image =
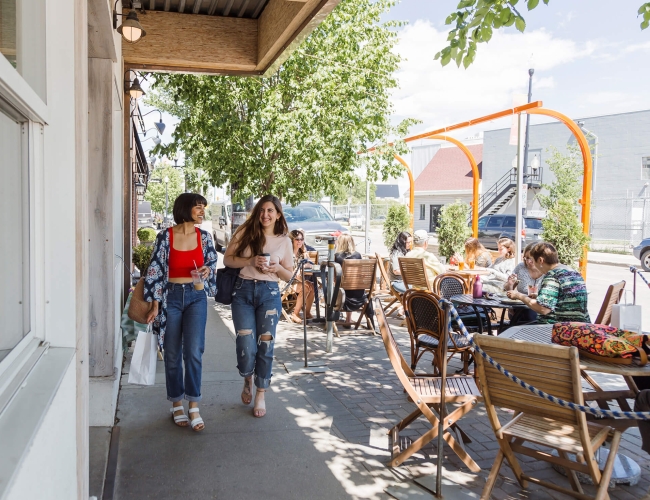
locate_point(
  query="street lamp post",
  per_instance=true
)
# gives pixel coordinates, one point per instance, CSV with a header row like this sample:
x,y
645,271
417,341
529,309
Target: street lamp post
x,y
530,97
166,180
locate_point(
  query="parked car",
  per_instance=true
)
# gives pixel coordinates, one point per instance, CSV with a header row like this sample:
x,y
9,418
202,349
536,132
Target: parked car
x,y
312,218
221,214
357,220
316,222
493,227
642,252
145,217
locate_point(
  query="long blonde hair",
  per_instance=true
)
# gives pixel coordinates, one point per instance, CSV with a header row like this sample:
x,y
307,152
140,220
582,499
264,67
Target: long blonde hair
x,y
345,244
473,248
510,245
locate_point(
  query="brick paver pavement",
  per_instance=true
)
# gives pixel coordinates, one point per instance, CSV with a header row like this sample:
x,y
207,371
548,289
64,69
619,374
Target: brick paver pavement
x,y
363,398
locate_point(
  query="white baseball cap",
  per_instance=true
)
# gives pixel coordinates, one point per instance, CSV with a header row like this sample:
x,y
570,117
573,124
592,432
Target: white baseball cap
x,y
420,236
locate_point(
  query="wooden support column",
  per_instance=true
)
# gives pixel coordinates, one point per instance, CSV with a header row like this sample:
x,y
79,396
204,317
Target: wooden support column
x,y
100,212
127,209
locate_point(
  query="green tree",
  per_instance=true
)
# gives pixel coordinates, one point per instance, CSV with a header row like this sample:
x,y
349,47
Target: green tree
x,y
397,220
299,131
356,191
476,20
453,230
562,226
155,193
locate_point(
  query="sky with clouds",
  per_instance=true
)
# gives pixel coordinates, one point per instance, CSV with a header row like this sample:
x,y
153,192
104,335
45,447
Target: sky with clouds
x,y
590,58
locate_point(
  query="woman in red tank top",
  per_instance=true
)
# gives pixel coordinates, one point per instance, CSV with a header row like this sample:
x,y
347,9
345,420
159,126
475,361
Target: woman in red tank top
x,y
180,251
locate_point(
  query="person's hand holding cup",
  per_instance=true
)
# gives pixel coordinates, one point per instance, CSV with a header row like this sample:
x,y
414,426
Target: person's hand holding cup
x,y
197,279
262,262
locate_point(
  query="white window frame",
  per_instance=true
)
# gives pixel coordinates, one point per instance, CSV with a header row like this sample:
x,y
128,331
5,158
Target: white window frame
x,y
423,211
20,95
645,169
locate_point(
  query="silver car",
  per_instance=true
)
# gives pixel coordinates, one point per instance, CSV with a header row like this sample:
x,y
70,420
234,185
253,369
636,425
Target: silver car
x,y
316,222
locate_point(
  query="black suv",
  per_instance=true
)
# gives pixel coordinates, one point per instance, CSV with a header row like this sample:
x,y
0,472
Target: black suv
x,y
493,227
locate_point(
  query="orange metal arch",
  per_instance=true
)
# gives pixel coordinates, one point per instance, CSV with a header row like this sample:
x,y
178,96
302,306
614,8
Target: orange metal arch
x,y
585,200
411,189
475,176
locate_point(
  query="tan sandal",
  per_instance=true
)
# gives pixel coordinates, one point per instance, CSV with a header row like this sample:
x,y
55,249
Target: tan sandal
x,y
246,394
259,410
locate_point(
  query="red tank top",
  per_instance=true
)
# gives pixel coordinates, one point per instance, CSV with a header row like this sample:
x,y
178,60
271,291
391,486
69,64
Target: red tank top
x,y
182,262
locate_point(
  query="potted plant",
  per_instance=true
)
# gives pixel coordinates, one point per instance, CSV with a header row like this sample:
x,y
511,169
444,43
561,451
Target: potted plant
x,y
146,235
453,230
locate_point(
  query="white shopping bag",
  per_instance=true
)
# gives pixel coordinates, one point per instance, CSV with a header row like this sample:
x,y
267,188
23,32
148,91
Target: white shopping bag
x,y
627,317
143,363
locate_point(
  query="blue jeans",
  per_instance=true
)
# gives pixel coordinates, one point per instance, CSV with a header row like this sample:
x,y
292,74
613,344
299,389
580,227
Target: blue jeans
x,y
255,312
187,311
399,286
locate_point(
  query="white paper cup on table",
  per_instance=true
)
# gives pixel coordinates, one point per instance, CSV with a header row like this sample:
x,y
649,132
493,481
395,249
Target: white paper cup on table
x,y
197,280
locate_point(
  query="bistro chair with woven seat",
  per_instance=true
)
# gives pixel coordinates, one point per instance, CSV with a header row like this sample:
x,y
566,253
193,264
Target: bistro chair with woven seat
x,y
424,392
414,274
393,298
538,421
447,285
426,326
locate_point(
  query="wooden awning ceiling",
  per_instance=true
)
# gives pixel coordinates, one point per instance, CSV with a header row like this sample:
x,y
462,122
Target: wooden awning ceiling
x,y
241,37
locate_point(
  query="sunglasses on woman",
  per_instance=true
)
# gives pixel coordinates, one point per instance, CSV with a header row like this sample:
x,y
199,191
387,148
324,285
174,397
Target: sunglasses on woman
x,y
299,239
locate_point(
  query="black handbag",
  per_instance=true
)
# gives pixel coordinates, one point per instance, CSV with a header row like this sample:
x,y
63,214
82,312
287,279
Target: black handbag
x,y
226,277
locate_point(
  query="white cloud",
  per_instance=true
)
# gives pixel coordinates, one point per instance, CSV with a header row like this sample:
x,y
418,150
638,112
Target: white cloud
x,y
442,96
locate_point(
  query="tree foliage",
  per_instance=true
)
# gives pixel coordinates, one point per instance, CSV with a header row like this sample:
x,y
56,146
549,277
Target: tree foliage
x,y
397,220
475,21
300,130
453,230
356,191
155,193
562,226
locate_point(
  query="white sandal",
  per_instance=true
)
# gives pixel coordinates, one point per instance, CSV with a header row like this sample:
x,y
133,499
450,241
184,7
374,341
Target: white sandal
x,y
196,421
178,419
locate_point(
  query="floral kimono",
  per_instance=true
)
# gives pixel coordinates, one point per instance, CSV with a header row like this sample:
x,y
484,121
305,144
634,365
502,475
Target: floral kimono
x,y
158,271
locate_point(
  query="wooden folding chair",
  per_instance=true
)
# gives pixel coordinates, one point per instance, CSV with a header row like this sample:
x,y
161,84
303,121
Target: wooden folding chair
x,y
313,256
393,295
425,392
289,300
612,297
426,326
360,274
538,421
414,274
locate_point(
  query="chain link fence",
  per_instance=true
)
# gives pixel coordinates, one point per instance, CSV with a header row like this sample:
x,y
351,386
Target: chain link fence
x,y
619,223
378,212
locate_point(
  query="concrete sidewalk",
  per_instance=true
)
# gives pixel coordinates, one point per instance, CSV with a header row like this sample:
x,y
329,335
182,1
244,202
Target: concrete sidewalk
x,y
290,453
324,436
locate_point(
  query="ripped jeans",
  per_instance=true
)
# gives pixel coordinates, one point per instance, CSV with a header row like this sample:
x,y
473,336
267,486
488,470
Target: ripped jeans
x,y
255,313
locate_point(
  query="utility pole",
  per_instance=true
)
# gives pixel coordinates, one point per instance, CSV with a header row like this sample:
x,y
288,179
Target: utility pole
x,y
530,97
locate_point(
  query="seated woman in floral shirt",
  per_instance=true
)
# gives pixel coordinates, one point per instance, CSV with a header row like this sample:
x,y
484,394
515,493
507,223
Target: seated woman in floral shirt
x,y
562,295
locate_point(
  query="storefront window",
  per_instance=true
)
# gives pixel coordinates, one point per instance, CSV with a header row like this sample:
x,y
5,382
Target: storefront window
x,y
8,30
22,40
14,246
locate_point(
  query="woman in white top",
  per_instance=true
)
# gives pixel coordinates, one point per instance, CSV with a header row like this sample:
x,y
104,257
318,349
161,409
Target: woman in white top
x,y
502,267
256,299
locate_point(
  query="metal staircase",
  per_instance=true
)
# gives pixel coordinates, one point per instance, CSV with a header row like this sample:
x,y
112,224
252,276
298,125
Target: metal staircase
x,y
503,190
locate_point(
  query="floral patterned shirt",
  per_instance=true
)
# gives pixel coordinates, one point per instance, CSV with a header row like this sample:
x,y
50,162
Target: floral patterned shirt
x,y
156,277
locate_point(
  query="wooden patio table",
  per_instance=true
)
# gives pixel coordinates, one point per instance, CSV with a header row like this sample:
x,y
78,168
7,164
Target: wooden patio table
x,y
542,334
